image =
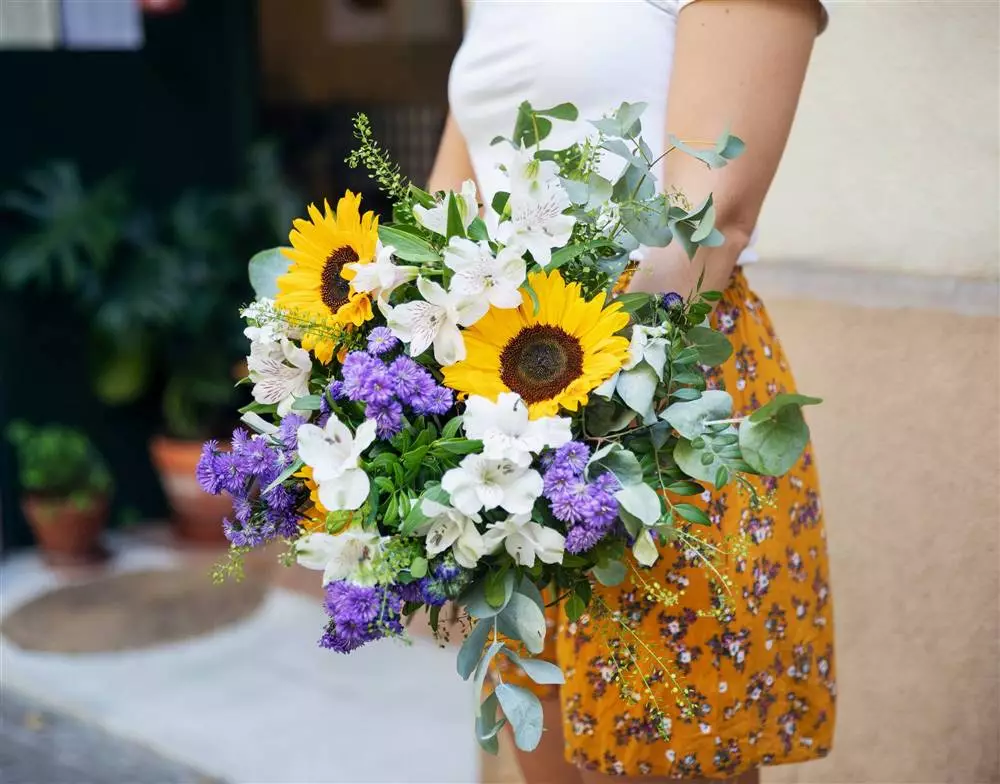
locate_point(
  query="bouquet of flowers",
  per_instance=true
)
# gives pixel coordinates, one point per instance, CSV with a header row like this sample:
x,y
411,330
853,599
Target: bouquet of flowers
x,y
462,405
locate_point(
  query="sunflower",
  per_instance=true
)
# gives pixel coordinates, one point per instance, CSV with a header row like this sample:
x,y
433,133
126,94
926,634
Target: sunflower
x,y
317,285
551,358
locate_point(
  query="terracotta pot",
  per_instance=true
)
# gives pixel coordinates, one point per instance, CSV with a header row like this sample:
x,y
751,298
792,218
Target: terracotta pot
x,y
197,515
66,534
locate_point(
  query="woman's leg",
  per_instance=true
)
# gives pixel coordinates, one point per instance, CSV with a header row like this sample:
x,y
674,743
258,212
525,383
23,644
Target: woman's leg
x,y
546,764
590,777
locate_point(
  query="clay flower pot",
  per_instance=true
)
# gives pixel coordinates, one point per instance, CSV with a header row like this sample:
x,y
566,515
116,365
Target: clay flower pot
x,y
67,533
197,515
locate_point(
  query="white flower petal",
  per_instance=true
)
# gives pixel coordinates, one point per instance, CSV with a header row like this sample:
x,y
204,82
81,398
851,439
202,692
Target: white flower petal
x,y
449,346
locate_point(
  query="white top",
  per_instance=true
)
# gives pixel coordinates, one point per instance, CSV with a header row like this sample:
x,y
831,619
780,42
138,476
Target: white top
x,y
592,54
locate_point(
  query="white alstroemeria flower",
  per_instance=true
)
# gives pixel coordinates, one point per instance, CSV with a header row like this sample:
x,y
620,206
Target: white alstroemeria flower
x,y
447,527
345,556
264,327
333,454
537,223
526,540
478,273
280,373
528,174
435,321
436,218
506,431
649,344
380,277
481,483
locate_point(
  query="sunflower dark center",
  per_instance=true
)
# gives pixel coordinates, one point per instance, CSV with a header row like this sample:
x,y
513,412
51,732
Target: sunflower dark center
x,y
540,361
334,290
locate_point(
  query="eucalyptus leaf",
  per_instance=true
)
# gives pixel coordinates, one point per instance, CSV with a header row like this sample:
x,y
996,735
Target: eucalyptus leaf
x,y
620,462
644,549
634,301
287,473
307,403
474,599
563,111
540,671
637,388
522,619
265,268
688,418
524,712
487,725
472,649
610,573
713,347
408,247
778,402
689,461
647,222
575,607
772,446
712,158
635,183
692,514
483,667
642,501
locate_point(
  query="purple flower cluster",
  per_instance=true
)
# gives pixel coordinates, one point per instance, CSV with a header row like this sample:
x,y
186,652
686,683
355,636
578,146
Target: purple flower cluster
x,y
360,614
672,300
253,463
386,388
588,508
446,580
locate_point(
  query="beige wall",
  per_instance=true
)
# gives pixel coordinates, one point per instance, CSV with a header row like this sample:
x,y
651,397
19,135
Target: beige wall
x,y
893,160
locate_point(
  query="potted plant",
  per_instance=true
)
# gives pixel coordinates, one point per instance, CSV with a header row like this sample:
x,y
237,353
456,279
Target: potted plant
x,y
158,290
65,487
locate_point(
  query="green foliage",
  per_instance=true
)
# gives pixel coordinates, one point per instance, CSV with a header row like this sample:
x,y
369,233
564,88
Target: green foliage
x,y
59,462
381,168
772,445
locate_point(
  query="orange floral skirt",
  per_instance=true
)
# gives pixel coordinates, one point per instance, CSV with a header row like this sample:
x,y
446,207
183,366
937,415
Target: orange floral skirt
x,y
756,661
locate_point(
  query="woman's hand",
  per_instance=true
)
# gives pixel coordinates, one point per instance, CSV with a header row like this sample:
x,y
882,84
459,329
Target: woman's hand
x,y
738,64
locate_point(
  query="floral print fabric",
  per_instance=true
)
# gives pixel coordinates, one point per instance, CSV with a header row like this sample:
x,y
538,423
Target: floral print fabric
x,y
761,669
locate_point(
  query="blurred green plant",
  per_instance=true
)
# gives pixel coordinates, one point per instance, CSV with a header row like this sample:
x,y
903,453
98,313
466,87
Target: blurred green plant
x,y
58,462
158,289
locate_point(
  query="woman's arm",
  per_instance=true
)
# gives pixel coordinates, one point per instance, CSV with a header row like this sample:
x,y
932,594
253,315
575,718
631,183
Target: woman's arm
x,y
738,64
452,165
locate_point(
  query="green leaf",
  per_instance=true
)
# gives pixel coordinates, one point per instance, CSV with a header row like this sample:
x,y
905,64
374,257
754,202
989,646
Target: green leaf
x,y
624,122
499,202
622,150
692,514
712,158
635,183
295,466
772,446
418,567
635,301
472,649
522,619
685,488
495,589
562,111
729,146
307,403
488,726
564,255
264,269
642,501
706,225
408,247
620,462
689,461
713,347
575,607
647,222
686,394
688,418
540,671
474,599
637,388
529,589
477,230
778,402
610,574
450,430
455,226
605,417
524,712
459,446
483,667
532,295
529,128
721,476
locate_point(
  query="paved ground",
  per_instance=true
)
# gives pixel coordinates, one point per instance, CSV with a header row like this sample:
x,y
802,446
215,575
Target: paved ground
x,y
38,746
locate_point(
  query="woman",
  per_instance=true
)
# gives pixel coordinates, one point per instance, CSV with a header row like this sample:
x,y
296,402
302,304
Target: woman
x,y
764,674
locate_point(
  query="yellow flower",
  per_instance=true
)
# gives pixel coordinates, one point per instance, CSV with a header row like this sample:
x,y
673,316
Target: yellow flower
x,y
317,285
551,358
315,518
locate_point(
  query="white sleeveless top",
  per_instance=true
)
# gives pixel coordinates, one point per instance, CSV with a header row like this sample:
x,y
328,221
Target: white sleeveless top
x,y
592,54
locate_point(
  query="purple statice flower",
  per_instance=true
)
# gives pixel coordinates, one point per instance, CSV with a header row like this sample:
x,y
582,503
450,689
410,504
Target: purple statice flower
x,y
232,474
672,300
411,381
241,437
557,480
574,455
381,341
207,472
388,417
356,370
439,401
257,457
581,538
288,430
607,482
